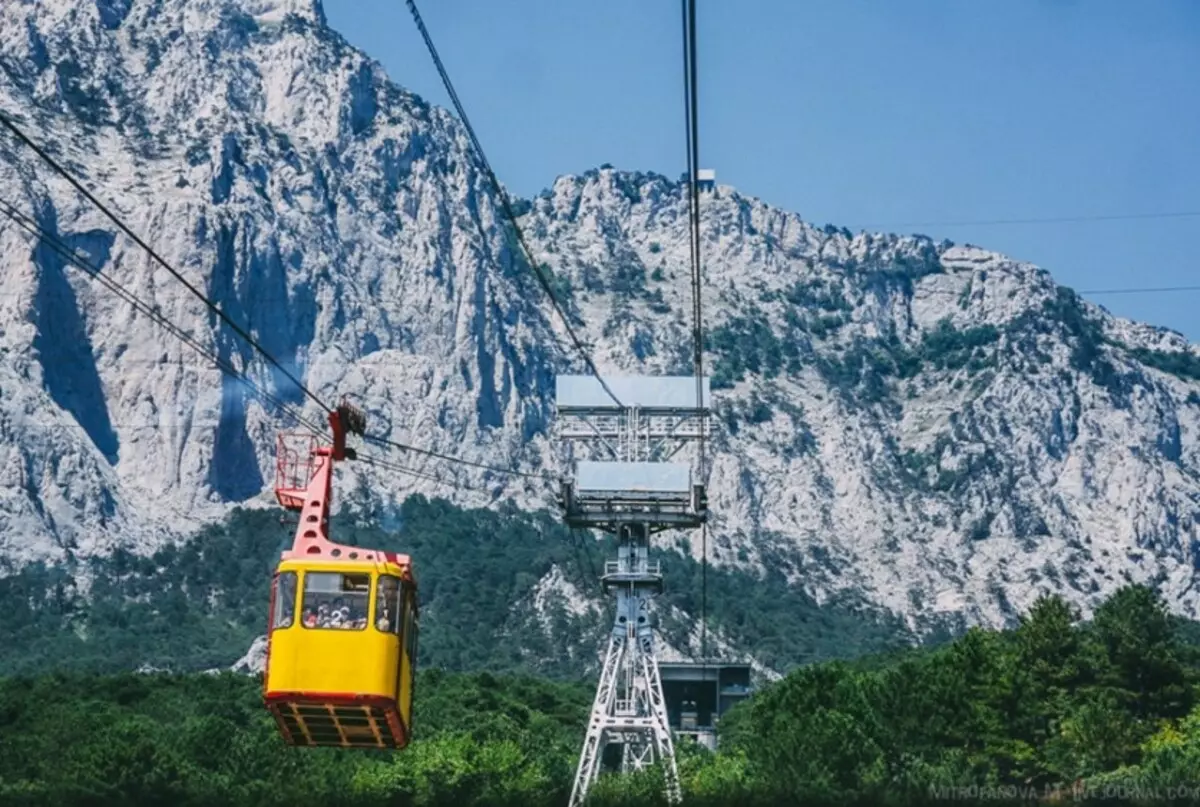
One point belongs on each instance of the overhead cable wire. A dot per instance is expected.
(20, 135)
(691, 107)
(584, 538)
(417, 473)
(1136, 290)
(504, 201)
(224, 365)
(1080, 292)
(1037, 220)
(49, 239)
(436, 455)
(7, 122)
(260, 298)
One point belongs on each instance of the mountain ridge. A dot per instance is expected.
(939, 428)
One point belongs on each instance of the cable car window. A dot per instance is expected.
(284, 599)
(335, 600)
(387, 604)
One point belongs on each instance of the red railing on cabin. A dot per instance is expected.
(294, 467)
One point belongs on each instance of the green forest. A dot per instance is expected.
(1102, 709)
(1056, 708)
(199, 605)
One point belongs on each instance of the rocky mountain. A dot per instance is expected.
(335, 215)
(938, 428)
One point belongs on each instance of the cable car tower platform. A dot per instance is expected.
(626, 483)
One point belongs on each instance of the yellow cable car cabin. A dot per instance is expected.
(342, 641)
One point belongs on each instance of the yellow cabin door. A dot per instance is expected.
(408, 643)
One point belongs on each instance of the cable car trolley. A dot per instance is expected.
(342, 631)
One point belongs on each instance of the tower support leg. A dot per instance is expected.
(629, 708)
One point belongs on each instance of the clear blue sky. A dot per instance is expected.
(864, 114)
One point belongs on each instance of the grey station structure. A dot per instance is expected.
(698, 694)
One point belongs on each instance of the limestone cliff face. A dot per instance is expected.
(336, 216)
(938, 427)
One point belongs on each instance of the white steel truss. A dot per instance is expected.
(629, 708)
(659, 418)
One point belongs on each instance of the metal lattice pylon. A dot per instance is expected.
(629, 708)
(634, 491)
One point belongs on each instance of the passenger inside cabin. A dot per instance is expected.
(338, 614)
(387, 598)
(338, 601)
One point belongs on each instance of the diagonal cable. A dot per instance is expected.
(69, 255)
(20, 135)
(502, 195)
(7, 123)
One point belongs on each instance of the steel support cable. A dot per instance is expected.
(414, 472)
(12, 127)
(260, 298)
(1181, 214)
(407, 471)
(582, 537)
(70, 256)
(1136, 290)
(504, 201)
(4, 119)
(436, 455)
(691, 106)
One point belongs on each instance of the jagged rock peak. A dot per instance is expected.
(274, 10)
(938, 429)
